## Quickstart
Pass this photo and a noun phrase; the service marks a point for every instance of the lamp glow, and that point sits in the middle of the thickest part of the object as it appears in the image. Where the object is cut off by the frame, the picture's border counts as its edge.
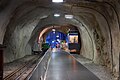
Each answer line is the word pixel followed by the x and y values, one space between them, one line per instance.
pixel 56 15
pixel 68 16
pixel 57 1
pixel 57 36
pixel 58 40
pixel 53 29
pixel 53 41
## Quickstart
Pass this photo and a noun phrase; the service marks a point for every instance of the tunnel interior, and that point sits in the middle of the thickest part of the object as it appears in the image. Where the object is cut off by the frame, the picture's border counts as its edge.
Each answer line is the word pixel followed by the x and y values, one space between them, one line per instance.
pixel 62 36
pixel 26 24
pixel 54 38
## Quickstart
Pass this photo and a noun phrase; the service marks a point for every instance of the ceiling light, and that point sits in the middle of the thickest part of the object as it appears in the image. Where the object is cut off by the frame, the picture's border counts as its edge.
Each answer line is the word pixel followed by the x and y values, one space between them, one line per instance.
pixel 68 16
pixel 57 1
pixel 56 15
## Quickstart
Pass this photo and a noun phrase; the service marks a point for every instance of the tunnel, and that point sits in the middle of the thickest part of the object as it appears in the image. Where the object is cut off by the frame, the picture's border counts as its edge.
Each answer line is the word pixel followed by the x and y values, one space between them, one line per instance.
pixel 28 25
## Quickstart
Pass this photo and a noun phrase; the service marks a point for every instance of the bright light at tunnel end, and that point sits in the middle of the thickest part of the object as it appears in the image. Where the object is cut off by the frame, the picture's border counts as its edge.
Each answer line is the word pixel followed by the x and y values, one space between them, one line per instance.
pixel 57 1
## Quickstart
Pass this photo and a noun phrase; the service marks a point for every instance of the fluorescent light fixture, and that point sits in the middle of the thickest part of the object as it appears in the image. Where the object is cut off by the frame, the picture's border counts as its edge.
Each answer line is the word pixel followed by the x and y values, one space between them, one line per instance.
pixel 68 16
pixel 53 29
pixel 56 15
pixel 57 1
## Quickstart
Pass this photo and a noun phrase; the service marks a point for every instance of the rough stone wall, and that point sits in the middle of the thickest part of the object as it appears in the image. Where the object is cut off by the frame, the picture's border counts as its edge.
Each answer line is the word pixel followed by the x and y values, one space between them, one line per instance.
pixel 87 46
pixel 19 33
pixel 106 34
pixel 116 7
pixel 115 36
pixel 18 42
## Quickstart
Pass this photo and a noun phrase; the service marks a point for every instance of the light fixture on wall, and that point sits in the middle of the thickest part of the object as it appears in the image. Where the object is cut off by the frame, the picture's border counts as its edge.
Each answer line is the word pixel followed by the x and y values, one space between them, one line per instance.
pixel 57 1
pixel 56 15
pixel 68 16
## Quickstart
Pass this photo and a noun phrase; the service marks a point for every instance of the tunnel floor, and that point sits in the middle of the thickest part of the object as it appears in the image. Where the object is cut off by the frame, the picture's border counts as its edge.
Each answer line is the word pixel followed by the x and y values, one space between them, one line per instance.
pixel 63 66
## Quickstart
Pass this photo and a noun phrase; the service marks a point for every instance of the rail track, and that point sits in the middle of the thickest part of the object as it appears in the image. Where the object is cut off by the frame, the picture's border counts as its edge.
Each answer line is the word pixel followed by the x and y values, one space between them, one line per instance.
pixel 18 73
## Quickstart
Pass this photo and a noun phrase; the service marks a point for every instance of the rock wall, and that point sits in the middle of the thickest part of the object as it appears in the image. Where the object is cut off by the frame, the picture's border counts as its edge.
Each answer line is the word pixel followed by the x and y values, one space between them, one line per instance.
pixel 17 43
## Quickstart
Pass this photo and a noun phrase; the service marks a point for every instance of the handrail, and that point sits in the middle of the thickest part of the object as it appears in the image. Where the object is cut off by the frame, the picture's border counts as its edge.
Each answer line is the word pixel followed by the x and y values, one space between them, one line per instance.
pixel 43 60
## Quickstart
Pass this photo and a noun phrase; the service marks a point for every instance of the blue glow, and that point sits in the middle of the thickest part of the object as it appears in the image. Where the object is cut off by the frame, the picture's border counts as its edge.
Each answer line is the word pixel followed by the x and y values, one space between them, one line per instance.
pixel 54 38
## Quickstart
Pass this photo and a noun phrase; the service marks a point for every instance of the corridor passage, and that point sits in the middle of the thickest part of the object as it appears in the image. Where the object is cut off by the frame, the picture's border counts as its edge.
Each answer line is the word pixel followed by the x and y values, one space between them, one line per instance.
pixel 63 66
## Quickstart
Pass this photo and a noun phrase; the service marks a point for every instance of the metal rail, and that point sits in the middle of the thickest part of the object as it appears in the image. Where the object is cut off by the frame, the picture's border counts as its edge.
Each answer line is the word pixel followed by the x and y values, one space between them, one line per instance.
pixel 39 71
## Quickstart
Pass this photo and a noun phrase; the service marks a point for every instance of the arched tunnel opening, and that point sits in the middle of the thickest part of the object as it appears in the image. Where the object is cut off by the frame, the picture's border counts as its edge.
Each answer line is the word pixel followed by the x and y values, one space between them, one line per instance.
pixel 63 37
pixel 89 28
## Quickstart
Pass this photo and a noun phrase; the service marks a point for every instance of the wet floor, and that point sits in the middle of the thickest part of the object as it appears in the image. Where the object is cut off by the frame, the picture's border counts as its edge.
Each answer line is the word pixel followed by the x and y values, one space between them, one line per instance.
pixel 64 67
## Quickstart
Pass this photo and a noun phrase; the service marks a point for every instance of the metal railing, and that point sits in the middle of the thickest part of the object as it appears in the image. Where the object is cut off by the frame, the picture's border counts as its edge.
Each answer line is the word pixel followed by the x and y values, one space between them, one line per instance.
pixel 39 72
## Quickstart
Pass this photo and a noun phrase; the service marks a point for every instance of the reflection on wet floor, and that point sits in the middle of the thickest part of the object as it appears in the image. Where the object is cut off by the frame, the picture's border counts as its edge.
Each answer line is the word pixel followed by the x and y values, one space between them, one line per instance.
pixel 64 67
pixel 56 49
